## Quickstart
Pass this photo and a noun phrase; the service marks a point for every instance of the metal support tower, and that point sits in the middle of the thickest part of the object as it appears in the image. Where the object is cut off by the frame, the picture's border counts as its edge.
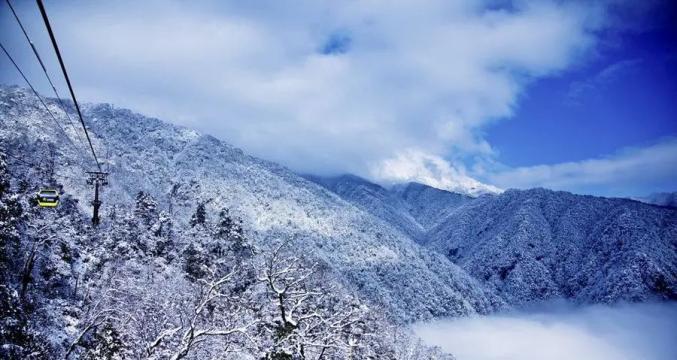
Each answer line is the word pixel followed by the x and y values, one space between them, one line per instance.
pixel 97 178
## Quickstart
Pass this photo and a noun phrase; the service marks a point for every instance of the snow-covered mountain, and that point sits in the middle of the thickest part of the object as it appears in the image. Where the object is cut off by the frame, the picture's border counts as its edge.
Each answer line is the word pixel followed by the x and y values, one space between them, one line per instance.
pixel 539 244
pixel 182 168
pixel 429 205
pixel 411 207
pixel 411 251
pixel 387 205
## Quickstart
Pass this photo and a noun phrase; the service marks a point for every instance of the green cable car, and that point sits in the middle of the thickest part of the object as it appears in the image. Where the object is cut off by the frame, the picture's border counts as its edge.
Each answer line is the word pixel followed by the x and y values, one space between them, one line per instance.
pixel 48 198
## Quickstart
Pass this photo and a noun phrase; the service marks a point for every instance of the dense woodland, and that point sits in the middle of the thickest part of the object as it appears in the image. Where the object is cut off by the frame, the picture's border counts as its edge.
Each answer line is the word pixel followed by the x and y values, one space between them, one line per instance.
pixel 138 286
pixel 207 252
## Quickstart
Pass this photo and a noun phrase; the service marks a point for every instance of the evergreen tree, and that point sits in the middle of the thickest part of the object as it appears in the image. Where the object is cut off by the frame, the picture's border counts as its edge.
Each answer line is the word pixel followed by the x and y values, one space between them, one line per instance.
pixel 163 230
pixel 200 216
pixel 195 262
pixel 106 344
pixel 230 229
pixel 10 208
pixel 146 209
pixel 11 213
pixel 163 226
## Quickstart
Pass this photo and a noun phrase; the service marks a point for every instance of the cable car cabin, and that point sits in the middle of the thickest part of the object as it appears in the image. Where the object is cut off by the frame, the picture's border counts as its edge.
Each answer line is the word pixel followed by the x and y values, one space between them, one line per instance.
pixel 48 198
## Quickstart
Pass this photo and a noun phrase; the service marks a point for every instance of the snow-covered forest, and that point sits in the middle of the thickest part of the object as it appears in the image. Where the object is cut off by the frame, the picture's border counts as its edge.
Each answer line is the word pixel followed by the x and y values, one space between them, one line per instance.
pixel 167 274
pixel 205 252
pixel 536 245
pixel 139 287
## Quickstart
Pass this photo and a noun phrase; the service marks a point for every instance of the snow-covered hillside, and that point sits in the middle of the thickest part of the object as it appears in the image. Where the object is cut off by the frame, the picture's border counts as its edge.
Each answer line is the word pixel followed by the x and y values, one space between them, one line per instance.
pixel 429 205
pixel 411 207
pixel 539 244
pixel 382 256
pixel 182 168
pixel 375 199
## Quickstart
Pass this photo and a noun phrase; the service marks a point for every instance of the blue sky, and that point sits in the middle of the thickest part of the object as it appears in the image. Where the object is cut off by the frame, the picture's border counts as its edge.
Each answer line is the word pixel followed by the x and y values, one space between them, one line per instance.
pixel 573 95
pixel 618 100
pixel 624 96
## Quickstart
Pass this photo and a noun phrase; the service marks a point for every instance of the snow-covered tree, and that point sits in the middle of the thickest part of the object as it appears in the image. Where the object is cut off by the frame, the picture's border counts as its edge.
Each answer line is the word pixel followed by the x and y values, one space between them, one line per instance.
pixel 306 318
pixel 106 344
pixel 229 230
pixel 15 337
pixel 145 209
pixel 163 230
pixel 200 216
pixel 195 261
pixel 10 215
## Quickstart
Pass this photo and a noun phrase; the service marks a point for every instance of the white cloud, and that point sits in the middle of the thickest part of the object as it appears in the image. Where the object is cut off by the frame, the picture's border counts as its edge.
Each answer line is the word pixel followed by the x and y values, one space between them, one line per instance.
pixel 417 166
pixel 422 75
pixel 622 332
pixel 628 172
pixel 624 173
pixel 605 78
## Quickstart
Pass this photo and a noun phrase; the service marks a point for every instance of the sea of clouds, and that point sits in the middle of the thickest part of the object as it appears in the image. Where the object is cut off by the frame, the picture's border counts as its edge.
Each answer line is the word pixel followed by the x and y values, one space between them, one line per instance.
pixel 557 331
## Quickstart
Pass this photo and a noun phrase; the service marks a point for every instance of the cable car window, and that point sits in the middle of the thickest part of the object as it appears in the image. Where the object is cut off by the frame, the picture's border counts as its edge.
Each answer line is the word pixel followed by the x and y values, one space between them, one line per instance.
pixel 48 198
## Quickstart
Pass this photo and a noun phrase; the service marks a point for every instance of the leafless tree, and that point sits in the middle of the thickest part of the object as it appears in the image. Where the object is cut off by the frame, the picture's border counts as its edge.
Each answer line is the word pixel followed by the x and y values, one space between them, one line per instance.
pixel 197 330
pixel 310 322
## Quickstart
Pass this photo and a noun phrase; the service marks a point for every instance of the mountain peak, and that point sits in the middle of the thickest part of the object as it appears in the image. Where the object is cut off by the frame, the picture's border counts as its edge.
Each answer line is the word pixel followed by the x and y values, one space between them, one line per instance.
pixel 432 170
pixel 468 187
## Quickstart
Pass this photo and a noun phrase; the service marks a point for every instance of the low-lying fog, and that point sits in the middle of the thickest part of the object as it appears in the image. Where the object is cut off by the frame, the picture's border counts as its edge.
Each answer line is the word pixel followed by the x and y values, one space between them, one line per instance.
pixel 553 332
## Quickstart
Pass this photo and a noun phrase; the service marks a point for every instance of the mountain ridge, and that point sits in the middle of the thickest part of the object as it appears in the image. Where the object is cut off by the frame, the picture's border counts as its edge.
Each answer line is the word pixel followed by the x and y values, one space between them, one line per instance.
pixel 412 207
pixel 414 250
pixel 145 154
pixel 539 244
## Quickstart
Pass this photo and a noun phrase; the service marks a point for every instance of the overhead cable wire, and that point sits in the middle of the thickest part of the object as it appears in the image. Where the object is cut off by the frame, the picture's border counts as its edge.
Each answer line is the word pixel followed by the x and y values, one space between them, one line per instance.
pixel 38 167
pixel 44 70
pixel 19 159
pixel 39 97
pixel 45 18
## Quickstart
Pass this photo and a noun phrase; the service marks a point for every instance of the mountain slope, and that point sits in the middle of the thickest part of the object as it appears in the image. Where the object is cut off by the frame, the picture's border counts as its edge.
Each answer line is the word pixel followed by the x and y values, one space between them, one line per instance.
pixel 429 205
pixel 375 199
pixel 412 208
pixel 540 244
pixel 537 244
pixel 182 168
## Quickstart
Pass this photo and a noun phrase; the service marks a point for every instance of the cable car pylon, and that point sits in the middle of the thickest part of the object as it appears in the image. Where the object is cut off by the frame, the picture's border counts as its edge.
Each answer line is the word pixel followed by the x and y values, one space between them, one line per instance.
pixel 97 178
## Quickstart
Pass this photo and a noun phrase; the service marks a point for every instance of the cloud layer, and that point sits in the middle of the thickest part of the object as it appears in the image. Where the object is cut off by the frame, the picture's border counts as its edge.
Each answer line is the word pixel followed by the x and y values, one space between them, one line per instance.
pixel 624 332
pixel 322 87
pixel 623 173
pixel 390 91
pixel 429 169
